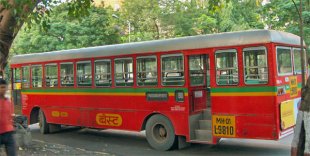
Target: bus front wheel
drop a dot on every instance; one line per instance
(160, 133)
(44, 126)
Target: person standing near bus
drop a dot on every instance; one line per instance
(6, 121)
(301, 141)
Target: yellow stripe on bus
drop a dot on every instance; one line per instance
(143, 94)
(251, 93)
(94, 94)
(246, 94)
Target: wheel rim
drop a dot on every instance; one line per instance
(160, 132)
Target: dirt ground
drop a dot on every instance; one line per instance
(39, 148)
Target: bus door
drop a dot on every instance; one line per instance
(16, 86)
(199, 81)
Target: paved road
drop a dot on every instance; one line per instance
(124, 143)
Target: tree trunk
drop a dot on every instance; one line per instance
(157, 36)
(9, 26)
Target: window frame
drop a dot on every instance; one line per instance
(50, 64)
(233, 50)
(133, 73)
(161, 67)
(14, 74)
(29, 78)
(37, 65)
(110, 81)
(292, 65)
(73, 74)
(77, 74)
(294, 69)
(16, 85)
(267, 64)
(143, 57)
(204, 70)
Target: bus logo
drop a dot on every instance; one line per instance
(59, 114)
(104, 119)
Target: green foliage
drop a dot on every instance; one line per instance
(67, 33)
(78, 8)
(5, 4)
(154, 19)
(37, 11)
(282, 15)
(151, 19)
(143, 16)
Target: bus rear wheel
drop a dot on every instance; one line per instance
(160, 133)
(44, 126)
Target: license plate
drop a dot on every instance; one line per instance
(224, 126)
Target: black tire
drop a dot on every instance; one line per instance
(160, 133)
(44, 126)
(54, 128)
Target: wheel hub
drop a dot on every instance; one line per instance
(162, 132)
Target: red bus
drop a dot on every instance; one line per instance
(192, 89)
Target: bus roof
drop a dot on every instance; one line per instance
(183, 43)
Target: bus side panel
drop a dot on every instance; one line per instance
(255, 115)
(29, 103)
(107, 111)
(256, 127)
(287, 97)
(134, 112)
(26, 107)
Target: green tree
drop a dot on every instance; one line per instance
(282, 15)
(189, 18)
(153, 19)
(66, 33)
(13, 13)
(143, 16)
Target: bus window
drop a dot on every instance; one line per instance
(297, 63)
(66, 74)
(123, 72)
(84, 73)
(36, 76)
(172, 70)
(103, 73)
(51, 75)
(255, 65)
(284, 60)
(226, 67)
(16, 74)
(17, 79)
(147, 71)
(197, 70)
(25, 77)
